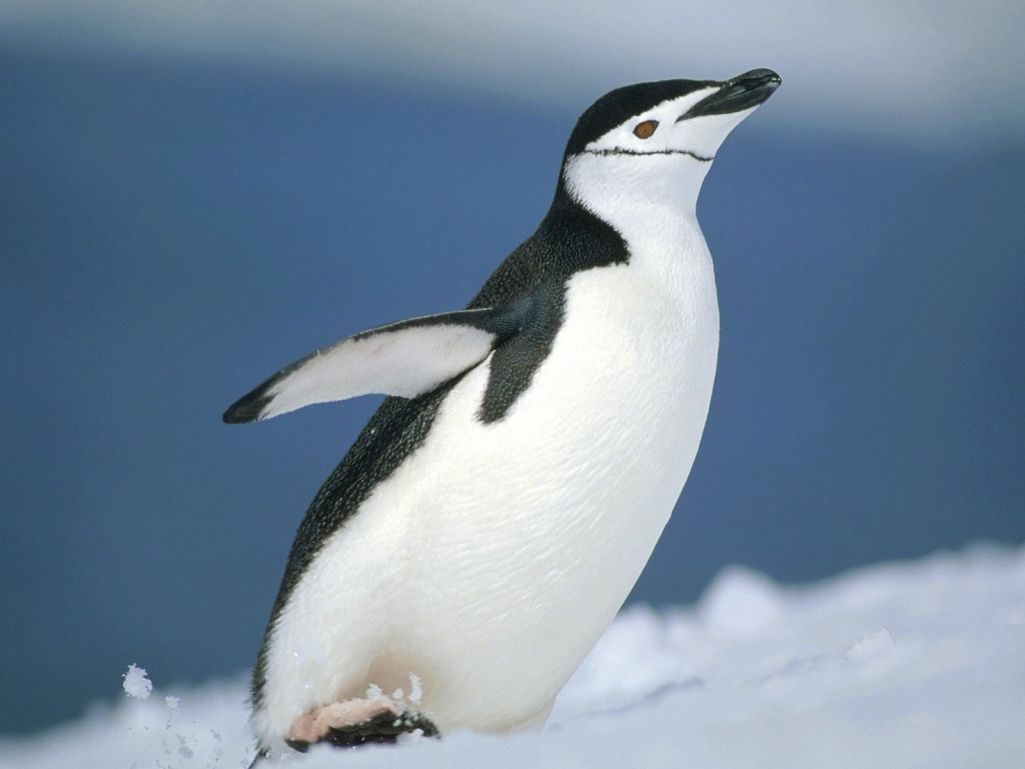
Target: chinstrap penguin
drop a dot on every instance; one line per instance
(493, 515)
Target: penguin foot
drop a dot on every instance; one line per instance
(352, 723)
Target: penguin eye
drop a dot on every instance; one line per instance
(646, 129)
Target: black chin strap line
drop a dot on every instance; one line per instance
(620, 151)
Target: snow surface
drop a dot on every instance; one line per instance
(902, 665)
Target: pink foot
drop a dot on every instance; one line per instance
(317, 724)
(358, 722)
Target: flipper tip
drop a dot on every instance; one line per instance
(246, 409)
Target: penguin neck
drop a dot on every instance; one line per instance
(650, 202)
(634, 193)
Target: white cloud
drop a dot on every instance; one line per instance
(921, 70)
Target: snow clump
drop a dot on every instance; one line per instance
(136, 684)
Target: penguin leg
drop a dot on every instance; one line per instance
(352, 723)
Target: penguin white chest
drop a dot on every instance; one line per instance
(521, 538)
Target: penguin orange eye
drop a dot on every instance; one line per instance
(646, 129)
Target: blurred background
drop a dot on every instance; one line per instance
(193, 194)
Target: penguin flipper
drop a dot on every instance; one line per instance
(407, 358)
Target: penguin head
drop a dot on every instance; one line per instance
(651, 140)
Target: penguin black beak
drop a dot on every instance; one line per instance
(739, 93)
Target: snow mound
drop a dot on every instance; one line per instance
(901, 665)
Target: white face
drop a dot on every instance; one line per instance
(653, 158)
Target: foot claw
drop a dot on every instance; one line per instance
(382, 729)
(353, 723)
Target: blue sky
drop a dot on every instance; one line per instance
(194, 195)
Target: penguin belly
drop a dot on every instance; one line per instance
(492, 559)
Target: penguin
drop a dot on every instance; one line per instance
(493, 515)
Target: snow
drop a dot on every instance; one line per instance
(416, 690)
(907, 665)
(875, 643)
(136, 684)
